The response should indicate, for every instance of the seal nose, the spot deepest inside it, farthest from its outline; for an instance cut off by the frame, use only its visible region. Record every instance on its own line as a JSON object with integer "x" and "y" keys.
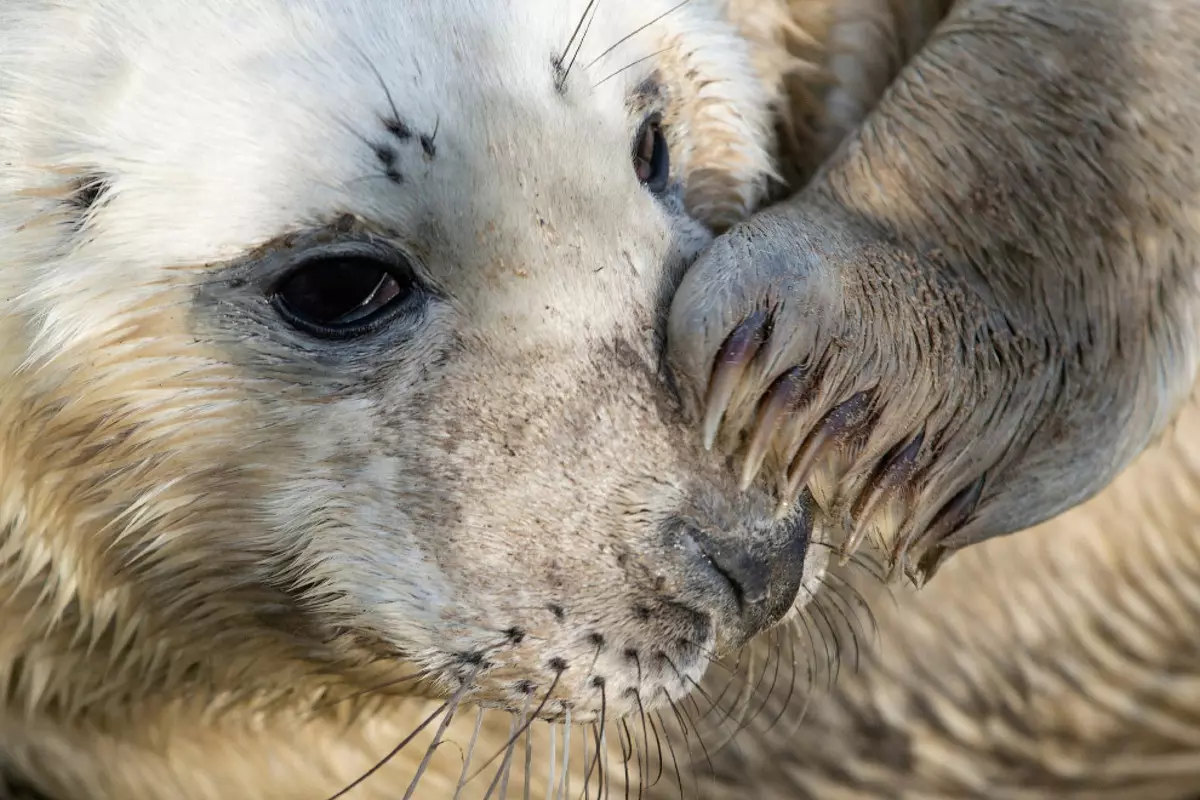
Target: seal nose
{"x": 746, "y": 575}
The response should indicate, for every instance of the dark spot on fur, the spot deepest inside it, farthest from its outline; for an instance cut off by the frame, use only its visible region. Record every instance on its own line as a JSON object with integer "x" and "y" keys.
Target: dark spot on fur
{"x": 514, "y": 635}
{"x": 86, "y": 194}
{"x": 396, "y": 128}
{"x": 428, "y": 146}
{"x": 344, "y": 223}
{"x": 386, "y": 154}
{"x": 641, "y": 612}
{"x": 558, "y": 664}
{"x": 598, "y": 682}
{"x": 631, "y": 653}
{"x": 525, "y": 687}
{"x": 387, "y": 157}
{"x": 558, "y": 611}
{"x": 560, "y": 74}
{"x": 596, "y": 639}
{"x": 472, "y": 659}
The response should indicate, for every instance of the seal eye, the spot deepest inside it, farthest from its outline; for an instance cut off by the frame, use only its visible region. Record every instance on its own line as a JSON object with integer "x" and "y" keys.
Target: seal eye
{"x": 651, "y": 157}
{"x": 340, "y": 296}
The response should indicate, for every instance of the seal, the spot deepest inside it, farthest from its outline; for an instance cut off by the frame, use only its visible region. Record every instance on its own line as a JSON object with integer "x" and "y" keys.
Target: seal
{"x": 334, "y": 397}
{"x": 332, "y": 382}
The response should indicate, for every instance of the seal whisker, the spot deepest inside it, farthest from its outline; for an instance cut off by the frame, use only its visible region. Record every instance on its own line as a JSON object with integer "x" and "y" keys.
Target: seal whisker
{"x": 773, "y": 637}
{"x": 392, "y": 753}
{"x": 787, "y": 701}
{"x": 671, "y": 751}
{"x": 578, "y": 26}
{"x": 462, "y": 778}
{"x": 528, "y": 743}
{"x": 552, "y": 758}
{"x": 636, "y": 31}
{"x": 801, "y": 622}
{"x": 594, "y": 7}
{"x": 527, "y": 721}
{"x": 451, "y": 706}
{"x": 846, "y": 613}
{"x": 648, "y": 724}
{"x": 589, "y": 763}
{"x": 630, "y": 65}
{"x": 500, "y": 779}
{"x": 817, "y": 611}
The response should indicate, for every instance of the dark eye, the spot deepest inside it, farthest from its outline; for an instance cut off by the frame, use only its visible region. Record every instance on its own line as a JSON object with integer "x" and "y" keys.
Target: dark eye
{"x": 340, "y": 296}
{"x": 651, "y": 158}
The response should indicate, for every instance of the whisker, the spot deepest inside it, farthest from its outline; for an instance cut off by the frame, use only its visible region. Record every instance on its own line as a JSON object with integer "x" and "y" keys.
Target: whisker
{"x": 528, "y": 745}
{"x": 860, "y": 600}
{"x": 834, "y": 654}
{"x": 683, "y": 726}
{"x": 382, "y": 83}
{"x": 657, "y": 740}
{"x": 671, "y": 750}
{"x": 392, "y": 754}
{"x": 587, "y": 776}
{"x": 630, "y": 65}
{"x": 787, "y": 701}
{"x": 712, "y": 770}
{"x": 566, "y": 772}
{"x": 606, "y": 773}
{"x": 622, "y": 736}
{"x": 550, "y": 775}
{"x": 636, "y": 31}
{"x": 567, "y": 72}
{"x": 773, "y": 638}
{"x": 574, "y": 33}
{"x": 462, "y": 779}
{"x": 524, "y": 724}
{"x": 500, "y": 781}
{"x": 848, "y": 618}
{"x": 437, "y": 737}
{"x": 602, "y": 741}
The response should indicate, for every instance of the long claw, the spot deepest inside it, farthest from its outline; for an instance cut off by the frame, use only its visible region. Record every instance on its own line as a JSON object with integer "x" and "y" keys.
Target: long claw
{"x": 730, "y": 366}
{"x": 896, "y": 469}
{"x": 950, "y": 518}
{"x": 783, "y": 397}
{"x": 836, "y": 426}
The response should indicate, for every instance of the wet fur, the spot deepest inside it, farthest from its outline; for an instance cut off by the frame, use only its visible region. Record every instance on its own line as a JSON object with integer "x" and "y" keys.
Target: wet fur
{"x": 102, "y": 627}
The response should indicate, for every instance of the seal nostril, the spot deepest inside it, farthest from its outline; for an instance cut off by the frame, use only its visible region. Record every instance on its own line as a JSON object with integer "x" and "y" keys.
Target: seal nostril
{"x": 748, "y": 574}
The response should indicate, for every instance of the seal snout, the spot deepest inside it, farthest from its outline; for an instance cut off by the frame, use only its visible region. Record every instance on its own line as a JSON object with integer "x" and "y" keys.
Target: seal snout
{"x": 745, "y": 573}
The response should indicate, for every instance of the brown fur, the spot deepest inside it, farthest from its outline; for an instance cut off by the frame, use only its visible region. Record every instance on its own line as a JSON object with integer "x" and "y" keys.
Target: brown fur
{"x": 1016, "y": 224}
{"x": 911, "y": 197}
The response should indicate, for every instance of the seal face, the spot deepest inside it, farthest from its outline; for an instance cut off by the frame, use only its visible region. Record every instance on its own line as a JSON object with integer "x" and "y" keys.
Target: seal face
{"x": 331, "y": 339}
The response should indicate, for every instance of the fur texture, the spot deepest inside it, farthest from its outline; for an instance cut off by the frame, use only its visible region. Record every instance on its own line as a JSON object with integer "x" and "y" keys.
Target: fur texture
{"x": 238, "y": 559}
{"x": 216, "y": 524}
{"x": 986, "y": 302}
